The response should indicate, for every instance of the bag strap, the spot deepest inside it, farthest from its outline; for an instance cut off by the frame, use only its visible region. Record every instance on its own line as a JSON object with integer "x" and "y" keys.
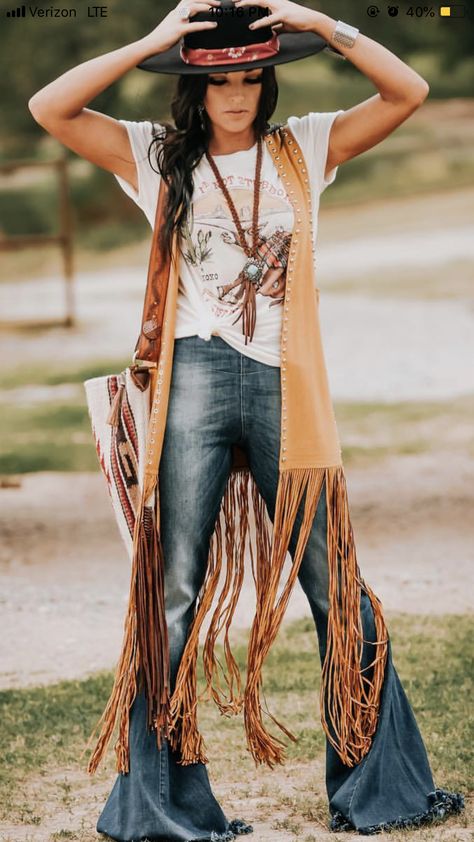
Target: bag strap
{"x": 147, "y": 348}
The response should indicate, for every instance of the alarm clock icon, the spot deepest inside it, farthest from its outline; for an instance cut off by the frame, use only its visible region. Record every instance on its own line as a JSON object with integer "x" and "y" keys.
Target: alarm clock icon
{"x": 393, "y": 11}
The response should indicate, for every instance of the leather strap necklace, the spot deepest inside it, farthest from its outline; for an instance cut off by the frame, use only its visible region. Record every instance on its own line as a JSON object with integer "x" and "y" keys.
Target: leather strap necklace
{"x": 252, "y": 272}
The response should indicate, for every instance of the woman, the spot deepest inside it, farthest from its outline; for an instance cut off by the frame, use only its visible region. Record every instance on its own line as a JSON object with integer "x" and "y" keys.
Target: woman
{"x": 237, "y": 225}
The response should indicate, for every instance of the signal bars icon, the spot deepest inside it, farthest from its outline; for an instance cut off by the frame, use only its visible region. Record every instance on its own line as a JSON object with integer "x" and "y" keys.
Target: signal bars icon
{"x": 20, "y": 12}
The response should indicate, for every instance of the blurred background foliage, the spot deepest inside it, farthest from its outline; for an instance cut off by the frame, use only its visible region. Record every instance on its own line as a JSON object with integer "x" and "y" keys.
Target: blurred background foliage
{"x": 36, "y": 50}
{"x": 417, "y": 156}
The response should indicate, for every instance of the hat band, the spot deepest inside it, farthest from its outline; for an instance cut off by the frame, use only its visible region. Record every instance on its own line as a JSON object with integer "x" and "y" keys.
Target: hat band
{"x": 231, "y": 55}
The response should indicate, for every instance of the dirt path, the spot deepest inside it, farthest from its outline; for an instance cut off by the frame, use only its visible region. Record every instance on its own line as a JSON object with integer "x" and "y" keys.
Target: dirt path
{"x": 287, "y": 804}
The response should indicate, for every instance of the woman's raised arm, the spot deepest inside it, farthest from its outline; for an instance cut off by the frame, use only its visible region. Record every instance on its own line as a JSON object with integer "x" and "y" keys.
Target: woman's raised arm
{"x": 60, "y": 107}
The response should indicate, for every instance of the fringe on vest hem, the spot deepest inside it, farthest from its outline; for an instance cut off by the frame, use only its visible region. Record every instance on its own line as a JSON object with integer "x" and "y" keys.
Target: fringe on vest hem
{"x": 145, "y": 651}
{"x": 443, "y": 804}
{"x": 349, "y": 699}
{"x": 269, "y": 610}
{"x": 185, "y": 735}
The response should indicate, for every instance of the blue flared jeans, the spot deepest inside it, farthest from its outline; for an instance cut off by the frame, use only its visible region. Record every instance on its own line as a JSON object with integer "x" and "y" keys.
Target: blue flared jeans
{"x": 220, "y": 398}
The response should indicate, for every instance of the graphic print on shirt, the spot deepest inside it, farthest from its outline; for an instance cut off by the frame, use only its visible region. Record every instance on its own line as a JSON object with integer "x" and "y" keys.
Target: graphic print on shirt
{"x": 195, "y": 255}
{"x": 211, "y": 244}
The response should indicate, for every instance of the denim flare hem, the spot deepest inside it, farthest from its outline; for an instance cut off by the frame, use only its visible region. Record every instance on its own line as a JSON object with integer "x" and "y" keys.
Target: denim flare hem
{"x": 443, "y": 804}
{"x": 237, "y": 827}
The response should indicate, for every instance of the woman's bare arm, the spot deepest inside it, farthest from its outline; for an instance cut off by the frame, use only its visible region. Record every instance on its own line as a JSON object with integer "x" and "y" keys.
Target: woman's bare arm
{"x": 60, "y": 107}
{"x": 401, "y": 90}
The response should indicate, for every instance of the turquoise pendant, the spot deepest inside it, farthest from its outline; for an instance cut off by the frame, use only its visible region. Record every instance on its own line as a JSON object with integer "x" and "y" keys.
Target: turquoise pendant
{"x": 253, "y": 271}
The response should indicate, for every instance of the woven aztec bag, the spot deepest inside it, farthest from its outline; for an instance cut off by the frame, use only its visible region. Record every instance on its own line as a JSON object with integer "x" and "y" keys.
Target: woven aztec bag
{"x": 119, "y": 413}
{"x": 119, "y": 404}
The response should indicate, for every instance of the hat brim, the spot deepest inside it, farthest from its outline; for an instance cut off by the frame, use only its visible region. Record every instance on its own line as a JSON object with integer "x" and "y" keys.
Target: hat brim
{"x": 293, "y": 45}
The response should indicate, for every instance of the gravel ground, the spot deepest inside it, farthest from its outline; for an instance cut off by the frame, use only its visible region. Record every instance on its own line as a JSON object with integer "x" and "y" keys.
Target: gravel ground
{"x": 65, "y": 572}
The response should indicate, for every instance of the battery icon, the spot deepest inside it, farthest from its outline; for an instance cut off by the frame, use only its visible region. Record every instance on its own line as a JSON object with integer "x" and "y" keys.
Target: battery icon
{"x": 452, "y": 11}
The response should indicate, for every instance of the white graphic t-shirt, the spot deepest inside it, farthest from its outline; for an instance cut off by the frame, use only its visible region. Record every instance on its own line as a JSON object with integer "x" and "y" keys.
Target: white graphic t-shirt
{"x": 211, "y": 284}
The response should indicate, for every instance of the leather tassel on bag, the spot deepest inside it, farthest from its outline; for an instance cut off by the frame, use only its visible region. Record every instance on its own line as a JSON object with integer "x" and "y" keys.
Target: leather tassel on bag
{"x": 113, "y": 417}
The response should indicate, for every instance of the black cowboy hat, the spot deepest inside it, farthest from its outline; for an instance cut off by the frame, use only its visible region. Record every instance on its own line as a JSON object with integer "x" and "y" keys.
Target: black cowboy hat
{"x": 231, "y": 45}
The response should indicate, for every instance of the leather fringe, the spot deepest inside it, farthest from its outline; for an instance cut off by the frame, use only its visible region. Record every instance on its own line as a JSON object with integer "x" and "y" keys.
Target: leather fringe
{"x": 113, "y": 417}
{"x": 248, "y": 310}
{"x": 144, "y": 648}
{"x": 349, "y": 700}
{"x": 184, "y": 732}
{"x": 269, "y": 613}
{"x": 236, "y": 501}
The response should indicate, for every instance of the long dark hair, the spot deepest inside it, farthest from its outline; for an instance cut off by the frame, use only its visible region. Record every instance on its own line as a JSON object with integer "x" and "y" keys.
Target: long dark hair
{"x": 180, "y": 147}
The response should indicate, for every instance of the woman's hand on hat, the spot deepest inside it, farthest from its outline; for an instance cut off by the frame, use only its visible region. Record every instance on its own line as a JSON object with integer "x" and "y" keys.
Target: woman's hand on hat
{"x": 285, "y": 16}
{"x": 176, "y": 24}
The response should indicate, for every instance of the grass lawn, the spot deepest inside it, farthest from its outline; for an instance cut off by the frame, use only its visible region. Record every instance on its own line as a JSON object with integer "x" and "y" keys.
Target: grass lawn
{"x": 48, "y": 434}
{"x": 44, "y": 729}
